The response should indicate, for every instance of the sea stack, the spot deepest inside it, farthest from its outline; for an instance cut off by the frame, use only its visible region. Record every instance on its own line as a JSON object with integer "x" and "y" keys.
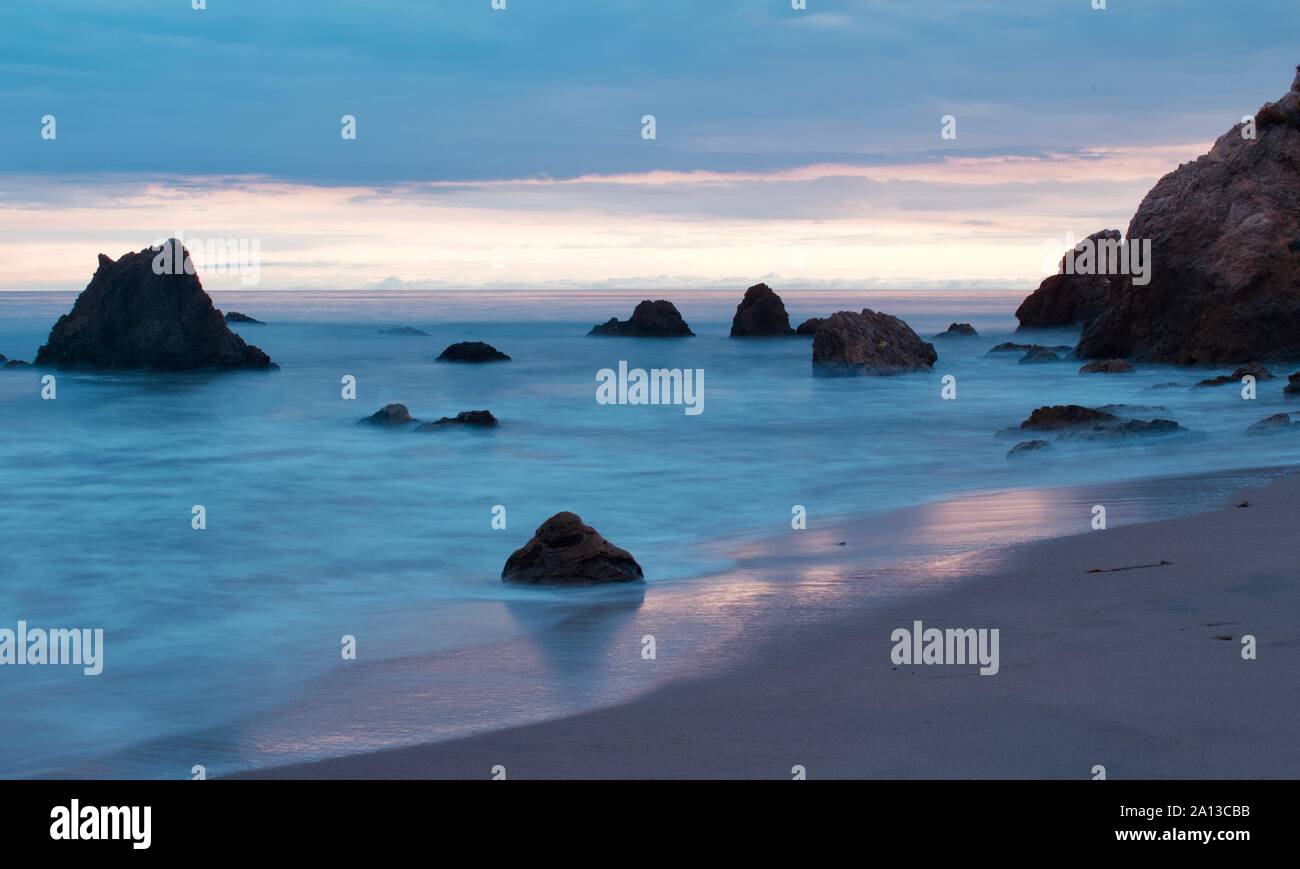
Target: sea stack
{"x": 761, "y": 314}
{"x": 565, "y": 551}
{"x": 147, "y": 310}
{"x": 869, "y": 343}
{"x": 658, "y": 319}
{"x": 1225, "y": 254}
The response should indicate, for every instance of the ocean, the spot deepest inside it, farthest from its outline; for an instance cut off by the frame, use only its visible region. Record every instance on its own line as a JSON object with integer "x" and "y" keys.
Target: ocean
{"x": 222, "y": 645}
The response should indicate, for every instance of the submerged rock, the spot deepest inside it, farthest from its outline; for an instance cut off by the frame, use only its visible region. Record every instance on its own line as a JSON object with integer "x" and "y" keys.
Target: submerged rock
{"x": 236, "y": 317}
{"x": 565, "y": 551}
{"x": 658, "y": 319}
{"x": 389, "y": 414}
{"x": 959, "y": 330}
{"x": 810, "y": 326}
{"x": 129, "y": 317}
{"x": 869, "y": 343}
{"x": 1107, "y": 366}
{"x": 1026, "y": 447}
{"x": 1225, "y": 272}
{"x": 1037, "y": 355}
{"x": 761, "y": 314}
{"x": 405, "y": 331}
{"x": 1275, "y": 424}
{"x": 1068, "y": 297}
{"x": 1259, "y": 372}
{"x": 472, "y": 351}
{"x": 474, "y": 418}
{"x": 1013, "y": 347}
{"x": 1075, "y": 422}
{"x": 17, "y": 363}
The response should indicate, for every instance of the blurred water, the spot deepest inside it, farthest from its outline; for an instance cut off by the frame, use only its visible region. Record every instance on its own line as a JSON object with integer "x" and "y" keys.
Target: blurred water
{"x": 318, "y": 527}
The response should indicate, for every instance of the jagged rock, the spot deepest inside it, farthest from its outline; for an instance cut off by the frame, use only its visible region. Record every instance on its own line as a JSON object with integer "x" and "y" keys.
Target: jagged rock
{"x": 959, "y": 330}
{"x": 1066, "y": 298}
{"x": 472, "y": 351}
{"x": 1037, "y": 355}
{"x": 810, "y": 326}
{"x": 1259, "y": 372}
{"x": 1225, "y": 277}
{"x": 658, "y": 319}
{"x": 475, "y": 418}
{"x": 236, "y": 317}
{"x": 1278, "y": 422}
{"x": 1026, "y": 447}
{"x": 1107, "y": 366}
{"x": 390, "y": 414}
{"x": 1062, "y": 416}
{"x": 761, "y": 314}
{"x": 128, "y": 317}
{"x": 565, "y": 551}
{"x": 869, "y": 343}
{"x": 405, "y": 331}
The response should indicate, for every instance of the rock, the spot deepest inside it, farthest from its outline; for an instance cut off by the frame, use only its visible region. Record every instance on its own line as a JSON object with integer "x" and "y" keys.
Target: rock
{"x": 1065, "y": 299}
{"x": 476, "y": 418}
{"x": 1168, "y": 384}
{"x": 1225, "y": 277}
{"x": 810, "y": 326}
{"x": 1259, "y": 372}
{"x": 390, "y": 414}
{"x": 959, "y": 330}
{"x": 472, "y": 351}
{"x": 1278, "y": 422}
{"x": 17, "y": 363}
{"x": 1037, "y": 355}
{"x": 869, "y": 343}
{"x": 1107, "y": 366}
{"x": 236, "y": 317}
{"x": 1063, "y": 416}
{"x": 1013, "y": 347}
{"x": 1292, "y": 387}
{"x": 405, "y": 331}
{"x": 128, "y": 317}
{"x": 1026, "y": 447}
{"x": 658, "y": 319}
{"x": 761, "y": 314}
{"x": 1132, "y": 409}
{"x": 2, "y": 358}
{"x": 564, "y": 551}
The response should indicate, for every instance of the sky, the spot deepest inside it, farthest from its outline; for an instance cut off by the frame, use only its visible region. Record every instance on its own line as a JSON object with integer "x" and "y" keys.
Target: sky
{"x": 508, "y": 148}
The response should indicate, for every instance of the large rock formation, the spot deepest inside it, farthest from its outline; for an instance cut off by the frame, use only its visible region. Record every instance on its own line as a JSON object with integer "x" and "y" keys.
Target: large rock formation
{"x": 564, "y": 551}
{"x": 131, "y": 317}
{"x": 869, "y": 343}
{"x": 761, "y": 314}
{"x": 1225, "y": 240}
{"x": 1067, "y": 297}
{"x": 658, "y": 319}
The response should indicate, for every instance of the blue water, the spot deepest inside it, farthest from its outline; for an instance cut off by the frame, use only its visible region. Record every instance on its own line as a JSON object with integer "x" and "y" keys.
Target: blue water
{"x": 317, "y": 527}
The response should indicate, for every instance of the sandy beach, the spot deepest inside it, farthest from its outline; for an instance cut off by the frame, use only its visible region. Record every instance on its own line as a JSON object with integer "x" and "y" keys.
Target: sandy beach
{"x": 1138, "y": 670}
